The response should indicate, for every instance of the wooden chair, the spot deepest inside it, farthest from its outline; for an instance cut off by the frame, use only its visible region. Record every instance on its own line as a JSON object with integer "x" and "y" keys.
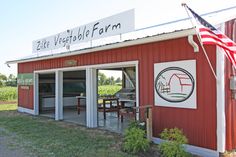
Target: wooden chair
{"x": 110, "y": 107}
{"x": 127, "y": 111}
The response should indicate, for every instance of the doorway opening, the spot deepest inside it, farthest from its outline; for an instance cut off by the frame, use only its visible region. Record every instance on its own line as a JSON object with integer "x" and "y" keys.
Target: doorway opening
{"x": 116, "y": 96}
{"x": 47, "y": 95}
{"x": 74, "y": 96}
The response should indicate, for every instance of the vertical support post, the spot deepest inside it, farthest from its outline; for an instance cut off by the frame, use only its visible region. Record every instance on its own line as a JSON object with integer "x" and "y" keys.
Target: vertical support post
{"x": 91, "y": 98}
{"x": 220, "y": 99}
{"x": 149, "y": 124}
{"x": 59, "y": 96}
{"x": 137, "y": 90}
{"x": 36, "y": 94}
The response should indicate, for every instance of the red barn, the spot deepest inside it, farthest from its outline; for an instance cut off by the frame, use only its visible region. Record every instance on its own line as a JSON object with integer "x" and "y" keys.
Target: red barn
{"x": 210, "y": 126}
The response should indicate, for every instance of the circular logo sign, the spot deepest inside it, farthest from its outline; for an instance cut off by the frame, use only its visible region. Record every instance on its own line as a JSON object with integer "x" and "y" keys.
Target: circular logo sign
{"x": 174, "y": 84}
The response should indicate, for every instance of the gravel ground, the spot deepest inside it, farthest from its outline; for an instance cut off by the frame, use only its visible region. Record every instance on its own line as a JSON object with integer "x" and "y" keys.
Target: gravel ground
{"x": 7, "y": 146}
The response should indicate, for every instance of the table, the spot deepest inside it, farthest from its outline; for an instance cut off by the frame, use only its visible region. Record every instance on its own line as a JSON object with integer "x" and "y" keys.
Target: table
{"x": 78, "y": 104}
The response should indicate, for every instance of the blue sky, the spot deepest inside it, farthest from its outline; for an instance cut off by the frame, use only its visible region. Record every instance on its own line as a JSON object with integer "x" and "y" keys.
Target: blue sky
{"x": 26, "y": 20}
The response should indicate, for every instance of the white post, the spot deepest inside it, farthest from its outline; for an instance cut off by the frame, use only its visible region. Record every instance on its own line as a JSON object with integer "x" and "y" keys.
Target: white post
{"x": 36, "y": 94}
{"x": 59, "y": 96}
{"x": 220, "y": 106}
{"x": 91, "y": 98}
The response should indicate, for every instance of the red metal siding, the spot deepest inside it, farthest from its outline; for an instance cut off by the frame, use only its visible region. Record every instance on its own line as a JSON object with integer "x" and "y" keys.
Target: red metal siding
{"x": 25, "y": 97}
{"x": 230, "y": 107}
{"x": 200, "y": 124}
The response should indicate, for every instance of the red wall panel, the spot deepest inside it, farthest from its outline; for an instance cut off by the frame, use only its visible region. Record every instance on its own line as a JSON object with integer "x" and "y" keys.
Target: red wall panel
{"x": 25, "y": 97}
{"x": 230, "y": 107}
{"x": 198, "y": 124}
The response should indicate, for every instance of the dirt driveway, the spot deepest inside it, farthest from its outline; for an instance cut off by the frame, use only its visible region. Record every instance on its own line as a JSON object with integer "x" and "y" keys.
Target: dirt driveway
{"x": 8, "y": 148}
{"x": 7, "y": 102}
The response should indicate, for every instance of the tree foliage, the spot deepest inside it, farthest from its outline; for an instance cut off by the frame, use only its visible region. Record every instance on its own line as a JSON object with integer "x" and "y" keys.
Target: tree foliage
{"x": 3, "y": 80}
{"x": 8, "y": 81}
{"x": 104, "y": 80}
{"x": 101, "y": 78}
{"x": 118, "y": 80}
{"x": 11, "y": 81}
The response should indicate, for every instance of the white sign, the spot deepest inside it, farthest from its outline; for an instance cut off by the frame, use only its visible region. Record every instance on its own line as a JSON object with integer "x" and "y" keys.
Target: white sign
{"x": 175, "y": 84}
{"x": 113, "y": 25}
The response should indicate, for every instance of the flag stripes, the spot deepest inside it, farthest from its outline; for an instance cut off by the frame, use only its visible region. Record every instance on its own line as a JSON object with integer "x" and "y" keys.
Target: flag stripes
{"x": 211, "y": 36}
{"x": 219, "y": 39}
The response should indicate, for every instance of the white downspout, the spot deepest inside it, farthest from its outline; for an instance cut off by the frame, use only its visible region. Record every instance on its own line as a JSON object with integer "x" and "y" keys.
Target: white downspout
{"x": 193, "y": 44}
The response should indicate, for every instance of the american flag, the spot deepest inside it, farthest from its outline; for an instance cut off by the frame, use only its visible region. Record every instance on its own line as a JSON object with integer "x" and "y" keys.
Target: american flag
{"x": 210, "y": 35}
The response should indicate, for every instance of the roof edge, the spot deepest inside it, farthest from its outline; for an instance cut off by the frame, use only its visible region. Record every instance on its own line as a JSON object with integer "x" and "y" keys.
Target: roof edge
{"x": 145, "y": 40}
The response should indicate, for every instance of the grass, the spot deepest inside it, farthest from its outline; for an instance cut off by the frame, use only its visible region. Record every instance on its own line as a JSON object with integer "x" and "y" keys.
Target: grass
{"x": 45, "y": 137}
{"x": 8, "y": 107}
{"x": 8, "y": 93}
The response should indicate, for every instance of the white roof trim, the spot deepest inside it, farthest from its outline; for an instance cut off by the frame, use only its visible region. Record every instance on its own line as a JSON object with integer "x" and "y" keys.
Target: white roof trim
{"x": 155, "y": 38}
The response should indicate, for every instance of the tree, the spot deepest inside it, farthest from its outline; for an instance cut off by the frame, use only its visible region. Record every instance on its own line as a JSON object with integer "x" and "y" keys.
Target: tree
{"x": 118, "y": 80}
{"x": 11, "y": 81}
{"x": 112, "y": 80}
{"x": 107, "y": 81}
{"x": 3, "y": 80}
{"x": 101, "y": 78}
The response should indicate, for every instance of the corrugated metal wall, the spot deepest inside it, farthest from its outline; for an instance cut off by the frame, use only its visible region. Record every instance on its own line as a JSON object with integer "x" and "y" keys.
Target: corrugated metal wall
{"x": 25, "y": 97}
{"x": 230, "y": 108}
{"x": 199, "y": 125}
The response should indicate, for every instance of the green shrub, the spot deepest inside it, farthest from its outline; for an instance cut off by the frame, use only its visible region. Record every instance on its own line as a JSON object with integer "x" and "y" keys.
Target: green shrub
{"x": 137, "y": 124}
{"x": 135, "y": 139}
{"x": 173, "y": 146}
{"x": 8, "y": 93}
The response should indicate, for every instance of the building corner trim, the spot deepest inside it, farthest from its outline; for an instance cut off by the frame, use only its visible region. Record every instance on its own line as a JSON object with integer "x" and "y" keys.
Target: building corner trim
{"x": 25, "y": 110}
{"x": 220, "y": 98}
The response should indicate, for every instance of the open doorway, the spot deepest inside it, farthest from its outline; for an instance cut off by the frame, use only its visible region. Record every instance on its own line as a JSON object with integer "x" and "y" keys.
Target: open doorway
{"x": 116, "y": 97}
{"x": 47, "y": 95}
{"x": 74, "y": 96}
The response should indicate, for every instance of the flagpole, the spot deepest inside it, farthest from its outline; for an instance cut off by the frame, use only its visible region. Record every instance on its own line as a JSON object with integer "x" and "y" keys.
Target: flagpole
{"x": 199, "y": 39}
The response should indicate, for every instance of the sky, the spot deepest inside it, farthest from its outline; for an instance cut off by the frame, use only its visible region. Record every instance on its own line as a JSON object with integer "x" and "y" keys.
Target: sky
{"x": 26, "y": 20}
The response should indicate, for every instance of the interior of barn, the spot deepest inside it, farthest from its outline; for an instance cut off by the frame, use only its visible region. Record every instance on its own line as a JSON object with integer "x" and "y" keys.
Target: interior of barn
{"x": 115, "y": 102}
